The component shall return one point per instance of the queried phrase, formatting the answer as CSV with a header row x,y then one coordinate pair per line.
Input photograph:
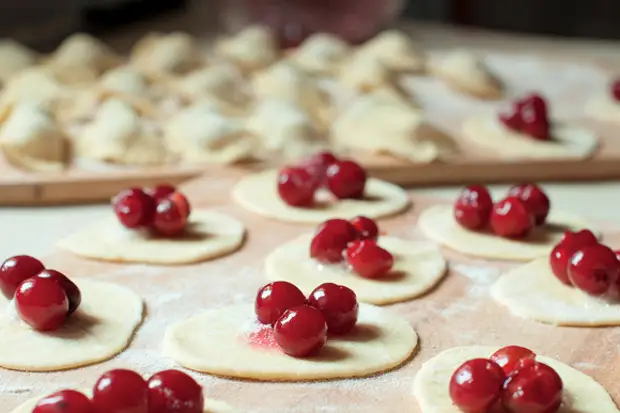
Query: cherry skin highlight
x,y
274,299
15,270
534,113
121,391
476,385
535,200
473,207
338,305
366,228
41,303
511,218
346,180
331,239
65,401
595,269
172,391
170,220
73,293
296,187
134,208
534,388
301,331
508,358
317,165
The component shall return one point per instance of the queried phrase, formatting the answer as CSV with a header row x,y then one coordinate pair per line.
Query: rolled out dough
x,y
101,328
212,342
259,193
418,267
211,235
581,393
438,223
603,108
532,291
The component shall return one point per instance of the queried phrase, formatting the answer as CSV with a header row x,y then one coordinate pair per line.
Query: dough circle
x,y
430,385
212,342
418,267
101,328
258,193
532,291
212,235
603,108
438,224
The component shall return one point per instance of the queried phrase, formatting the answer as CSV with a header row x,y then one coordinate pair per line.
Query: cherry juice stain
x,y
260,336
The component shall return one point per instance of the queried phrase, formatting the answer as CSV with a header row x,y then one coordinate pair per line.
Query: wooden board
x,y
458,312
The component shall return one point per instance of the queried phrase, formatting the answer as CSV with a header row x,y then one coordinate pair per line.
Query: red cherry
x,y
318,163
615,90
595,270
172,391
296,186
338,305
274,299
534,388
512,119
121,391
476,385
366,228
346,179
579,238
473,207
511,218
301,331
368,259
170,220
41,303
134,208
65,401
181,202
15,270
161,191
535,118
508,358
534,198
71,290
331,239
564,250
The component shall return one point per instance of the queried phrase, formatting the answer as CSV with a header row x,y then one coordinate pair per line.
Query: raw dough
x,y
366,73
395,95
213,342
321,53
212,235
101,328
532,291
438,223
396,50
418,267
174,53
465,72
569,141
254,48
14,58
32,85
259,194
581,393
603,107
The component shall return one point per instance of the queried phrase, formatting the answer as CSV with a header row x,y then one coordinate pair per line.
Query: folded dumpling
x,y
14,58
254,48
366,73
321,53
170,54
395,50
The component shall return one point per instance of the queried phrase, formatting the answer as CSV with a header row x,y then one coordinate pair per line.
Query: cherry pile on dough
x,y
529,116
355,242
525,207
297,185
300,324
512,378
162,209
44,298
124,391
581,261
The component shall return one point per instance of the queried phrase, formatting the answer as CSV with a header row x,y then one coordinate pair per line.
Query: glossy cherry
x,y
161,191
346,179
564,250
301,331
366,228
170,220
181,202
274,299
296,186
318,163
338,305
511,218
473,207
512,118
121,391
595,269
535,117
172,391
476,385
41,303
65,401
615,90
71,290
15,270
134,208
508,358
533,388
331,239
369,260
534,198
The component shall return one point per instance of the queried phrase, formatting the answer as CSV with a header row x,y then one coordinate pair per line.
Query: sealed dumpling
x,y
396,50
14,58
200,134
321,53
365,74
396,96
172,54
252,49
31,139
284,129
119,135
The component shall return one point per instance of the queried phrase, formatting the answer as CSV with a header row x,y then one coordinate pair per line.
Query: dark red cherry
x,y
346,179
369,260
121,391
134,208
318,163
331,239
473,207
366,228
615,90
338,305
296,186
564,250
161,191
71,290
15,270
476,385
511,218
508,358
533,388
534,198
172,391
595,270
535,117
65,401
301,331
41,303
274,299
170,220
181,202
512,118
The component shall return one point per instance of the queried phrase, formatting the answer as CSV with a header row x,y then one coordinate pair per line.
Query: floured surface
x,y
418,267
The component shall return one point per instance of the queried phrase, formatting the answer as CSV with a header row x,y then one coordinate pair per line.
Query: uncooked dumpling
x,y
321,53
201,134
396,50
252,49
396,96
14,58
173,54
33,85
119,135
365,74
31,139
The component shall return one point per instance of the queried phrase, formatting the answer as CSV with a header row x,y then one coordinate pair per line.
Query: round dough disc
x,y
581,393
213,342
101,328
212,235
259,194
603,108
438,223
418,267
532,291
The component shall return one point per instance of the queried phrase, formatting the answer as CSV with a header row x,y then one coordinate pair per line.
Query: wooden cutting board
x,y
458,312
